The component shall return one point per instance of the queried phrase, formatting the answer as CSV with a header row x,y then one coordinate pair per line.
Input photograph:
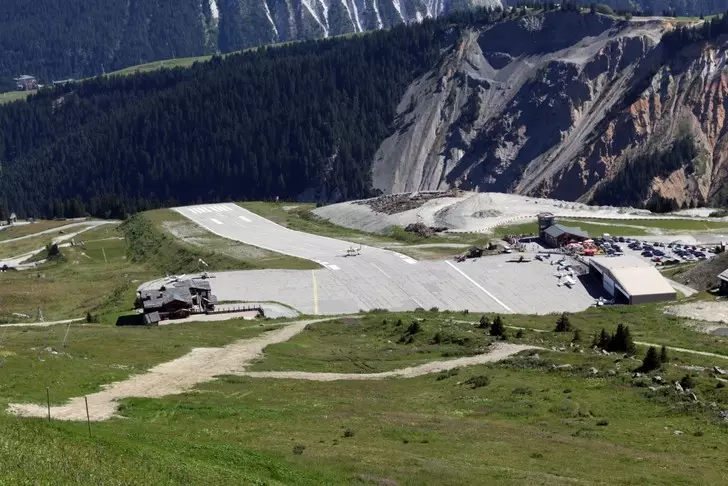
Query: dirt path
x,y
173,377
498,352
42,324
683,350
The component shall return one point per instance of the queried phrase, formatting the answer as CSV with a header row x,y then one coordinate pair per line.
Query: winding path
x,y
204,364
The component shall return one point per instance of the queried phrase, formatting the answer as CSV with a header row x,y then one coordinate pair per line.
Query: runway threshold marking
x,y
244,219
215,221
315,292
480,287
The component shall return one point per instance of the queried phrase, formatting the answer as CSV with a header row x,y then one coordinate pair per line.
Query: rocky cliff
x,y
554,105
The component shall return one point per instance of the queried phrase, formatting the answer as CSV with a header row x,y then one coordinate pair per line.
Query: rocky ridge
x,y
553,104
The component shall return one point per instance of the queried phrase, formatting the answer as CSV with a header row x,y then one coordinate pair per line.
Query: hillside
x,y
564,104
76,39
559,104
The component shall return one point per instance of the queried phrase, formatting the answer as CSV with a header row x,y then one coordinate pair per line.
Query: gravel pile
x,y
704,275
399,203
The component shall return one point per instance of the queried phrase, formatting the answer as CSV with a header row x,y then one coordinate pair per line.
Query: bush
x,y
522,391
447,374
398,323
437,339
414,328
92,318
519,334
563,324
720,384
603,423
687,382
651,361
664,358
484,322
434,309
298,449
577,336
497,329
348,433
478,381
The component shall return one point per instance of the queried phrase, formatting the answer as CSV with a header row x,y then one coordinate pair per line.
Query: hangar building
x,y
631,280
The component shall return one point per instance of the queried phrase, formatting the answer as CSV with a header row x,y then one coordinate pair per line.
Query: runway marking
x,y
334,267
480,287
382,271
215,221
203,209
245,219
315,292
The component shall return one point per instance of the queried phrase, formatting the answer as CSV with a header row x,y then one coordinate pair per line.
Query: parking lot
x,y
660,252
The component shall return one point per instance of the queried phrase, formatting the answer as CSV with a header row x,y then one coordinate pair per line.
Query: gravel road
x,y
204,364
498,352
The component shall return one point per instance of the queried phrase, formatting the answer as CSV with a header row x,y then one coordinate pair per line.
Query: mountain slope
x,y
58,39
558,109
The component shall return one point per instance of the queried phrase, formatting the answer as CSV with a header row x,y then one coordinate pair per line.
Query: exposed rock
x,y
566,366
720,371
593,371
612,372
678,432
693,396
657,379
678,387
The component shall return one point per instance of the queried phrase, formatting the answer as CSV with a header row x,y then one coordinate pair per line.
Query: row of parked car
x,y
671,253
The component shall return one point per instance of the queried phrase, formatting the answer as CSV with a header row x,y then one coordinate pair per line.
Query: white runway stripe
x,y
215,221
480,287
245,219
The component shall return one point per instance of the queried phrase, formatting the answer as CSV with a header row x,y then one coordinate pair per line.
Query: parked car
x,y
647,254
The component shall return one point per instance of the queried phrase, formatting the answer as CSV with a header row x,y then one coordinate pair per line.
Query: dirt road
x,y
173,377
498,352
203,364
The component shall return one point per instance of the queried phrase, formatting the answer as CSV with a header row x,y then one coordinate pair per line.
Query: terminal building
x,y
631,280
557,235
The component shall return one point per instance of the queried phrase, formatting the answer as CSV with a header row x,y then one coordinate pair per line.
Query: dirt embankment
x,y
704,275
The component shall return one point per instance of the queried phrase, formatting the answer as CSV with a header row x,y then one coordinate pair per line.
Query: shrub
x,y
434,309
437,339
519,334
478,381
414,328
563,324
497,328
522,391
664,358
687,382
398,323
577,336
298,449
91,318
447,374
603,423
348,433
651,361
720,384
484,322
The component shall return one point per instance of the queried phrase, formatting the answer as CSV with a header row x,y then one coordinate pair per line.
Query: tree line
x,y
297,121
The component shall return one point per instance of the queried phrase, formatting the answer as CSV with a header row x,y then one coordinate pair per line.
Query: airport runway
x,y
378,278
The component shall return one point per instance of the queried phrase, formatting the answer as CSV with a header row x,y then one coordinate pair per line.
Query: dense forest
x,y
631,186
303,120
60,39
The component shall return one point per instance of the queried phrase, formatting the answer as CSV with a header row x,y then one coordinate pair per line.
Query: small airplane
x,y
351,251
558,262
567,281
602,301
520,259
173,278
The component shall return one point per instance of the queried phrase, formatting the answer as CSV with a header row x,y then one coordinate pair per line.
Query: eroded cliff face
x,y
551,105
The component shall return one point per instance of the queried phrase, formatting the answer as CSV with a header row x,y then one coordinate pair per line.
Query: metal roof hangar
x,y
631,280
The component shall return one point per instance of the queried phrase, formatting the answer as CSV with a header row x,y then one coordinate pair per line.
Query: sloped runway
x,y
377,278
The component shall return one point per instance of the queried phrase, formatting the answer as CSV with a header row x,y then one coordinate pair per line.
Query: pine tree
x,y
604,339
497,328
563,324
577,336
484,322
664,358
651,361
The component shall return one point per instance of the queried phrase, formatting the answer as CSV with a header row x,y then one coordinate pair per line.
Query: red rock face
x,y
559,118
